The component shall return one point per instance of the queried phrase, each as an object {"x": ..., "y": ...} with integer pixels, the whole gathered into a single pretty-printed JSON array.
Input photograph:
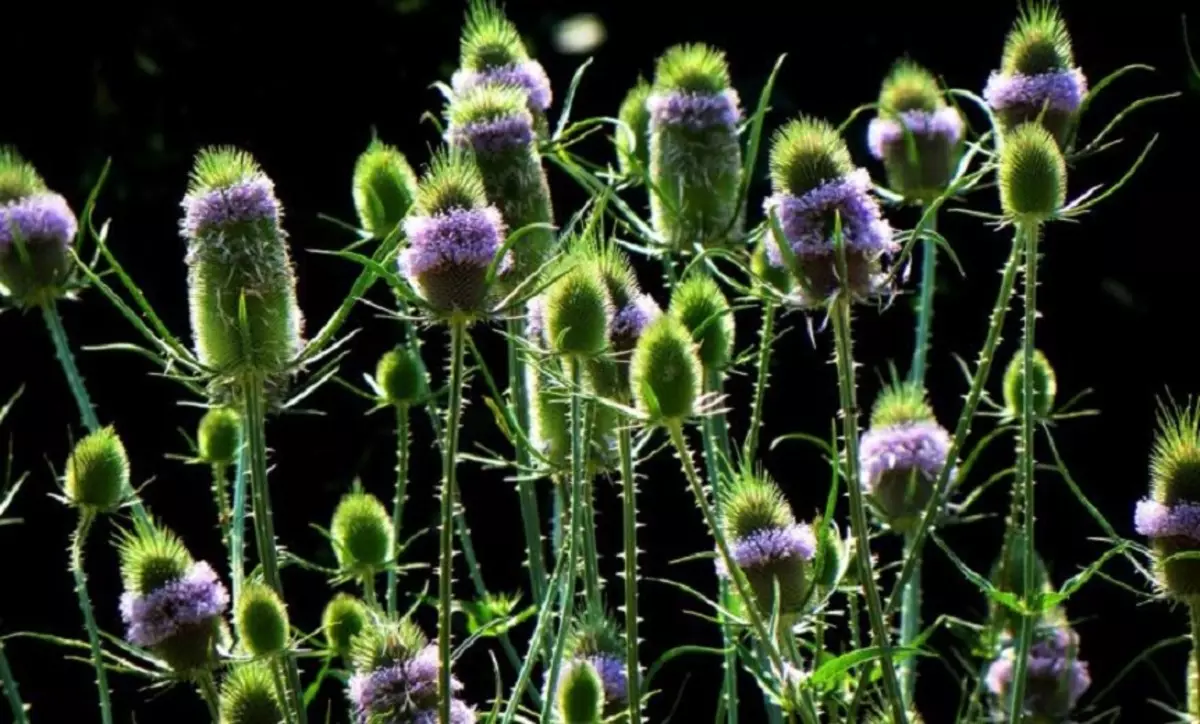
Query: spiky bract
[
  {"x": 363, "y": 538},
  {"x": 665, "y": 373},
  {"x": 1032, "y": 175},
  {"x": 632, "y": 140},
  {"x": 219, "y": 436},
  {"x": 753, "y": 502},
  {"x": 384, "y": 189},
  {"x": 1045, "y": 386},
  {"x": 344, "y": 618},
  {"x": 248, "y": 695},
  {"x": 700, "y": 304},
  {"x": 400, "y": 377},
  {"x": 1038, "y": 42},
  {"x": 261, "y": 620},
  {"x": 97, "y": 477}
]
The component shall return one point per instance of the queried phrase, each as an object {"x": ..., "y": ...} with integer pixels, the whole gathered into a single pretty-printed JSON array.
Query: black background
[{"x": 300, "y": 86}]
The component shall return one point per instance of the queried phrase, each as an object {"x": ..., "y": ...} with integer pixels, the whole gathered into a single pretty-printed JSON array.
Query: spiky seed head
[
  {"x": 1038, "y": 42},
  {"x": 700, "y": 304},
  {"x": 248, "y": 695},
  {"x": 1045, "y": 386},
  {"x": 400, "y": 377},
  {"x": 578, "y": 310},
  {"x": 692, "y": 68},
  {"x": 593, "y": 632},
  {"x": 344, "y": 618},
  {"x": 910, "y": 87},
  {"x": 1175, "y": 455},
  {"x": 754, "y": 502},
  {"x": 901, "y": 402},
  {"x": 384, "y": 643},
  {"x": 18, "y": 177},
  {"x": 826, "y": 570},
  {"x": 363, "y": 538},
  {"x": 218, "y": 438},
  {"x": 452, "y": 181},
  {"x": 806, "y": 153},
  {"x": 217, "y": 168},
  {"x": 1033, "y": 174},
  {"x": 97, "y": 477},
  {"x": 384, "y": 188},
  {"x": 613, "y": 265},
  {"x": 151, "y": 556},
  {"x": 489, "y": 38},
  {"x": 580, "y": 694},
  {"x": 1008, "y": 576},
  {"x": 261, "y": 620},
  {"x": 665, "y": 371},
  {"x": 487, "y": 103},
  {"x": 633, "y": 138}
]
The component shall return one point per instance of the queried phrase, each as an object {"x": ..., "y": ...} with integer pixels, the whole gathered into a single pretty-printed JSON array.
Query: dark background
[{"x": 301, "y": 87}]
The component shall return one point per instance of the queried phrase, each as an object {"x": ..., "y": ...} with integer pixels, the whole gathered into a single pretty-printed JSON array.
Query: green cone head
[
  {"x": 219, "y": 436},
  {"x": 632, "y": 140},
  {"x": 1045, "y": 386},
  {"x": 97, "y": 477},
  {"x": 384, "y": 189},
  {"x": 400, "y": 377},
  {"x": 578, "y": 311},
  {"x": 700, "y": 304},
  {"x": 248, "y": 695},
  {"x": 806, "y": 153},
  {"x": 1038, "y": 42},
  {"x": 344, "y": 618},
  {"x": 580, "y": 694},
  {"x": 37, "y": 231},
  {"x": 261, "y": 620},
  {"x": 383, "y": 643},
  {"x": 665, "y": 372},
  {"x": 363, "y": 539},
  {"x": 1033, "y": 175}
]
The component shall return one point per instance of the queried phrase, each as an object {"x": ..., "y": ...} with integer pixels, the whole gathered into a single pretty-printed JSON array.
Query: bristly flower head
[
  {"x": 700, "y": 304},
  {"x": 1056, "y": 678},
  {"x": 454, "y": 235},
  {"x": 632, "y": 310},
  {"x": 815, "y": 182},
  {"x": 1032, "y": 175},
  {"x": 248, "y": 695},
  {"x": 633, "y": 138},
  {"x": 577, "y": 309},
  {"x": 695, "y": 159},
  {"x": 218, "y": 437},
  {"x": 1045, "y": 386},
  {"x": 384, "y": 190},
  {"x": 1037, "y": 76},
  {"x": 597, "y": 640},
  {"x": 97, "y": 477},
  {"x": 665, "y": 372},
  {"x": 386, "y": 642},
  {"x": 490, "y": 120},
  {"x": 400, "y": 377},
  {"x": 261, "y": 620},
  {"x": 492, "y": 52},
  {"x": 917, "y": 136},
  {"x": 902, "y": 454},
  {"x": 1170, "y": 517},
  {"x": 18, "y": 177},
  {"x": 37, "y": 227},
  {"x": 344, "y": 618},
  {"x": 363, "y": 538}
]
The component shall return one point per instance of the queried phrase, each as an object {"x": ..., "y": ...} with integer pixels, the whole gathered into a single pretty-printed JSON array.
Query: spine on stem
[{"x": 458, "y": 335}]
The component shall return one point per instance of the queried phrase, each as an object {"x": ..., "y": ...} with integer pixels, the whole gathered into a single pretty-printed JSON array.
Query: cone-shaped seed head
[
  {"x": 18, "y": 177},
  {"x": 596, "y": 638},
  {"x": 633, "y": 139},
  {"x": 692, "y": 68},
  {"x": 578, "y": 311},
  {"x": 700, "y": 304},
  {"x": 665, "y": 372},
  {"x": 385, "y": 643},
  {"x": 806, "y": 153},
  {"x": 1045, "y": 386},
  {"x": 490, "y": 119},
  {"x": 1170, "y": 517},
  {"x": 98, "y": 472},
  {"x": 344, "y": 618},
  {"x": 218, "y": 438},
  {"x": 363, "y": 539},
  {"x": 899, "y": 403},
  {"x": 37, "y": 227},
  {"x": 580, "y": 694},
  {"x": 384, "y": 190},
  {"x": 1038, "y": 42},
  {"x": 261, "y": 620},
  {"x": 248, "y": 695},
  {"x": 1033, "y": 175},
  {"x": 492, "y": 53},
  {"x": 400, "y": 377}
]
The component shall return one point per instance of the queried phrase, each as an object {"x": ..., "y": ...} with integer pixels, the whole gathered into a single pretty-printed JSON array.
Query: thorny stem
[
  {"x": 910, "y": 628},
  {"x": 763, "y": 366},
  {"x": 629, "y": 531},
  {"x": 398, "y": 500},
  {"x": 370, "y": 597},
  {"x": 208, "y": 692},
  {"x": 220, "y": 490},
  {"x": 1193, "y": 684},
  {"x": 89, "y": 619},
  {"x": 530, "y": 520},
  {"x": 458, "y": 336},
  {"x": 277, "y": 676},
  {"x": 583, "y": 526},
  {"x": 237, "y": 527},
  {"x": 9, "y": 684}
]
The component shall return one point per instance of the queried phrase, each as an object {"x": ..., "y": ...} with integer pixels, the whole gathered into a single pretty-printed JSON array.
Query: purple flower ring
[
  {"x": 527, "y": 74},
  {"x": 449, "y": 254}
]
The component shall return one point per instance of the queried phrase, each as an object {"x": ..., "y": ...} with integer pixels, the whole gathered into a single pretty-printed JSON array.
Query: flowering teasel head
[
  {"x": 248, "y": 695},
  {"x": 700, "y": 304},
  {"x": 37, "y": 229},
  {"x": 1038, "y": 79},
  {"x": 580, "y": 696},
  {"x": 665, "y": 373},
  {"x": 384, "y": 189},
  {"x": 400, "y": 377},
  {"x": 219, "y": 436},
  {"x": 238, "y": 255},
  {"x": 816, "y": 186},
  {"x": 1055, "y": 677},
  {"x": 577, "y": 310},
  {"x": 917, "y": 135},
  {"x": 344, "y": 618},
  {"x": 493, "y": 53},
  {"x": 902, "y": 454},
  {"x": 767, "y": 543},
  {"x": 1045, "y": 386},
  {"x": 172, "y": 604},
  {"x": 454, "y": 235},
  {"x": 97, "y": 473},
  {"x": 597, "y": 640},
  {"x": 695, "y": 159},
  {"x": 362, "y": 535},
  {"x": 1170, "y": 516},
  {"x": 261, "y": 620},
  {"x": 1032, "y": 175},
  {"x": 632, "y": 139}
]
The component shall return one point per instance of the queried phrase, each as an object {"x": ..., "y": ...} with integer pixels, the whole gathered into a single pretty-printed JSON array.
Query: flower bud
[
  {"x": 453, "y": 237},
  {"x": 1170, "y": 517},
  {"x": 633, "y": 138},
  {"x": 1008, "y": 576},
  {"x": 492, "y": 53},
  {"x": 901, "y": 455},
  {"x": 384, "y": 190},
  {"x": 400, "y": 377},
  {"x": 219, "y": 437},
  {"x": 1055, "y": 677},
  {"x": 699, "y": 303},
  {"x": 580, "y": 694},
  {"x": 1037, "y": 77},
  {"x": 37, "y": 229},
  {"x": 344, "y": 618},
  {"x": 238, "y": 252},
  {"x": 695, "y": 158},
  {"x": 261, "y": 620},
  {"x": 1033, "y": 175},
  {"x": 98, "y": 472},
  {"x": 578, "y": 312},
  {"x": 363, "y": 539},
  {"x": 815, "y": 183},
  {"x": 917, "y": 136},
  {"x": 248, "y": 696},
  {"x": 597, "y": 640},
  {"x": 1045, "y": 385},
  {"x": 665, "y": 372}
]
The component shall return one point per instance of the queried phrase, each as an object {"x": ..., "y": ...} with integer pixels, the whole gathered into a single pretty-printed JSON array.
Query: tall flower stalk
[
  {"x": 458, "y": 333},
  {"x": 9, "y": 683},
  {"x": 629, "y": 541}
]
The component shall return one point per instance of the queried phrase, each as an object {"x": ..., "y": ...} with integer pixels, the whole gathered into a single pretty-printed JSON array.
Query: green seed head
[
  {"x": 18, "y": 177},
  {"x": 1045, "y": 385},
  {"x": 384, "y": 643},
  {"x": 580, "y": 694},
  {"x": 400, "y": 377},
  {"x": 151, "y": 557},
  {"x": 1033, "y": 175},
  {"x": 451, "y": 182},
  {"x": 248, "y": 695},
  {"x": 806, "y": 153},
  {"x": 593, "y": 631},
  {"x": 613, "y": 265},
  {"x": 901, "y": 402},
  {"x": 261, "y": 620},
  {"x": 633, "y": 139},
  {"x": 489, "y": 39},
  {"x": 1175, "y": 456},
  {"x": 219, "y": 436},
  {"x": 344, "y": 618},
  {"x": 665, "y": 371},
  {"x": 384, "y": 189},
  {"x": 486, "y": 104},
  {"x": 98, "y": 472},
  {"x": 754, "y": 502},
  {"x": 699, "y": 303},
  {"x": 910, "y": 87},
  {"x": 1038, "y": 42},
  {"x": 578, "y": 309},
  {"x": 692, "y": 68},
  {"x": 363, "y": 539}
]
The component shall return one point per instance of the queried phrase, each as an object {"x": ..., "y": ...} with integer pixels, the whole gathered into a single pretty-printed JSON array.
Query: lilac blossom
[
  {"x": 527, "y": 74},
  {"x": 630, "y": 320},
  {"x": 1057, "y": 90},
  {"x": 493, "y": 136},
  {"x": 807, "y": 221},
  {"x": 196, "y": 598},
  {"x": 405, "y": 687},
  {"x": 249, "y": 201},
  {"x": 1055, "y": 677},
  {"x": 768, "y": 545},
  {"x": 612, "y": 676},
  {"x": 455, "y": 238},
  {"x": 460, "y": 713},
  {"x": 945, "y": 123},
  {"x": 1156, "y": 520},
  {"x": 697, "y": 111},
  {"x": 919, "y": 446},
  {"x": 40, "y": 218}
]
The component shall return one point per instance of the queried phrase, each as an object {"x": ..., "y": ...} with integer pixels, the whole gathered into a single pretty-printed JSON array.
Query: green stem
[
  {"x": 629, "y": 536},
  {"x": 458, "y": 335},
  {"x": 281, "y": 690},
  {"x": 925, "y": 305},
  {"x": 208, "y": 692},
  {"x": 762, "y": 367},
  {"x": 237, "y": 527},
  {"x": 1193, "y": 669},
  {"x": 527, "y": 495},
  {"x": 1027, "y": 466},
  {"x": 398, "y": 500},
  {"x": 582, "y": 525},
  {"x": 910, "y": 628},
  {"x": 880, "y": 633},
  {"x": 566, "y": 598},
  {"x": 370, "y": 597},
  {"x": 556, "y": 519},
  {"x": 8, "y": 683},
  {"x": 715, "y": 468},
  {"x": 220, "y": 490},
  {"x": 89, "y": 619}
]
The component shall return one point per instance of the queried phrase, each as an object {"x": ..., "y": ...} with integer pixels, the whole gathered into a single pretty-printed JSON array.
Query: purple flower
[
  {"x": 535, "y": 319},
  {"x": 944, "y": 123},
  {"x": 40, "y": 218},
  {"x": 1155, "y": 520},
  {"x": 697, "y": 111},
  {"x": 248, "y": 201},
  {"x": 157, "y": 616},
  {"x": 921, "y": 446},
  {"x": 527, "y": 74},
  {"x": 1058, "y": 90},
  {"x": 769, "y": 545},
  {"x": 630, "y": 320},
  {"x": 1055, "y": 677},
  {"x": 460, "y": 713},
  {"x": 807, "y": 221},
  {"x": 455, "y": 238},
  {"x": 406, "y": 687},
  {"x": 494, "y": 136},
  {"x": 612, "y": 675}
]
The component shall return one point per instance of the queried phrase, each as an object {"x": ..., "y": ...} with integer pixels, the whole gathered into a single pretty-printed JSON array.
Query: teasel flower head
[
  {"x": 766, "y": 542},
  {"x": 384, "y": 190},
  {"x": 1008, "y": 576},
  {"x": 665, "y": 373},
  {"x": 917, "y": 135},
  {"x": 261, "y": 620},
  {"x": 97, "y": 473},
  {"x": 1170, "y": 516},
  {"x": 695, "y": 159},
  {"x": 344, "y": 618},
  {"x": 632, "y": 139},
  {"x": 172, "y": 604},
  {"x": 700, "y": 304},
  {"x": 815, "y": 184},
  {"x": 1032, "y": 175},
  {"x": 1038, "y": 79},
  {"x": 580, "y": 696},
  {"x": 400, "y": 377},
  {"x": 37, "y": 229},
  {"x": 597, "y": 640},
  {"x": 454, "y": 235},
  {"x": 362, "y": 534},
  {"x": 901, "y": 455},
  {"x": 493, "y": 123},
  {"x": 493, "y": 53},
  {"x": 1055, "y": 677},
  {"x": 577, "y": 311},
  {"x": 248, "y": 695},
  {"x": 219, "y": 435},
  {"x": 238, "y": 254},
  {"x": 1045, "y": 386}
]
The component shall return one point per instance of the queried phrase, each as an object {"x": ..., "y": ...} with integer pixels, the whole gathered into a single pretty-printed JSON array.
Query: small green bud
[
  {"x": 219, "y": 437},
  {"x": 261, "y": 620},
  {"x": 98, "y": 472},
  {"x": 580, "y": 694},
  {"x": 633, "y": 139},
  {"x": 344, "y": 618},
  {"x": 665, "y": 371},
  {"x": 384, "y": 189},
  {"x": 400, "y": 376},
  {"x": 1045, "y": 385},
  {"x": 578, "y": 311},
  {"x": 699, "y": 303},
  {"x": 363, "y": 539},
  {"x": 248, "y": 696},
  {"x": 1033, "y": 175}
]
